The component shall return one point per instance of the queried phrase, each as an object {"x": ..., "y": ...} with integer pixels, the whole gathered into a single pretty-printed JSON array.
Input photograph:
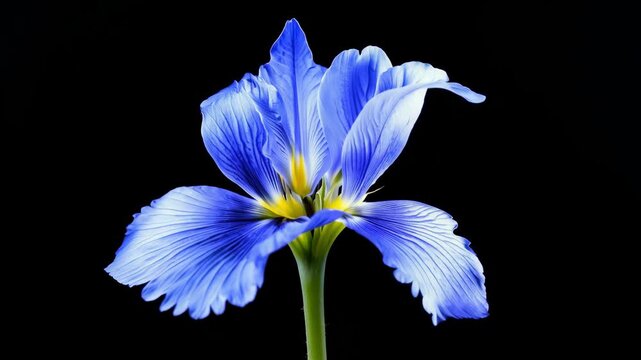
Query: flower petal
[
  {"x": 234, "y": 136},
  {"x": 415, "y": 72},
  {"x": 418, "y": 241},
  {"x": 381, "y": 130},
  {"x": 346, "y": 87},
  {"x": 292, "y": 71},
  {"x": 203, "y": 246}
]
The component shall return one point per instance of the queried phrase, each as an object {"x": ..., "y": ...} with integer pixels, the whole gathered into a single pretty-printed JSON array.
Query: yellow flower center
[
  {"x": 290, "y": 207},
  {"x": 296, "y": 200}
]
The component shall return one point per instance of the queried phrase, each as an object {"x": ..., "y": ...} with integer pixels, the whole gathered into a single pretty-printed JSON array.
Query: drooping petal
[
  {"x": 202, "y": 247},
  {"x": 292, "y": 71},
  {"x": 349, "y": 83},
  {"x": 418, "y": 241},
  {"x": 234, "y": 136},
  {"x": 382, "y": 128},
  {"x": 415, "y": 72}
]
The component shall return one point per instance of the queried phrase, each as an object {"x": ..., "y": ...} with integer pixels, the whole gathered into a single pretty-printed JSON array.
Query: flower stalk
[
  {"x": 312, "y": 278},
  {"x": 310, "y": 251}
]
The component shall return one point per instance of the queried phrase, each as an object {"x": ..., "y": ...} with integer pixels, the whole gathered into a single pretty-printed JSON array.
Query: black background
[{"x": 101, "y": 106}]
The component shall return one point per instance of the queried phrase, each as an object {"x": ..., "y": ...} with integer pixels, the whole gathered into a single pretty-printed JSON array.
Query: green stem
[
  {"x": 312, "y": 277},
  {"x": 311, "y": 250}
]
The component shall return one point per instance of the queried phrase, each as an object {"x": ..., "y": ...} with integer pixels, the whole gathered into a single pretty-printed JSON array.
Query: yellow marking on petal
[
  {"x": 298, "y": 175},
  {"x": 337, "y": 203},
  {"x": 287, "y": 207}
]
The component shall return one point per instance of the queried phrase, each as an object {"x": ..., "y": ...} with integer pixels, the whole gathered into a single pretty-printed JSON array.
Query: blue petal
[
  {"x": 292, "y": 71},
  {"x": 382, "y": 128},
  {"x": 415, "y": 72},
  {"x": 349, "y": 83},
  {"x": 278, "y": 142},
  {"x": 418, "y": 240},
  {"x": 202, "y": 247},
  {"x": 234, "y": 136}
]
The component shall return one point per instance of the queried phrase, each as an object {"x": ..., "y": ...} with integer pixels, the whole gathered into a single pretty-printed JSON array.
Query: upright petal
[
  {"x": 382, "y": 128},
  {"x": 234, "y": 136},
  {"x": 349, "y": 83},
  {"x": 292, "y": 71},
  {"x": 418, "y": 240},
  {"x": 202, "y": 247}
]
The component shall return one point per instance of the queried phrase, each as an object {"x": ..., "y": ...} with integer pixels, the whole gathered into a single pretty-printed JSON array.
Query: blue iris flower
[{"x": 306, "y": 143}]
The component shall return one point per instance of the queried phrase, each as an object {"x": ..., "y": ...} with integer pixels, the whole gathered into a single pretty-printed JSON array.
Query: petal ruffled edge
[
  {"x": 202, "y": 247},
  {"x": 418, "y": 240}
]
